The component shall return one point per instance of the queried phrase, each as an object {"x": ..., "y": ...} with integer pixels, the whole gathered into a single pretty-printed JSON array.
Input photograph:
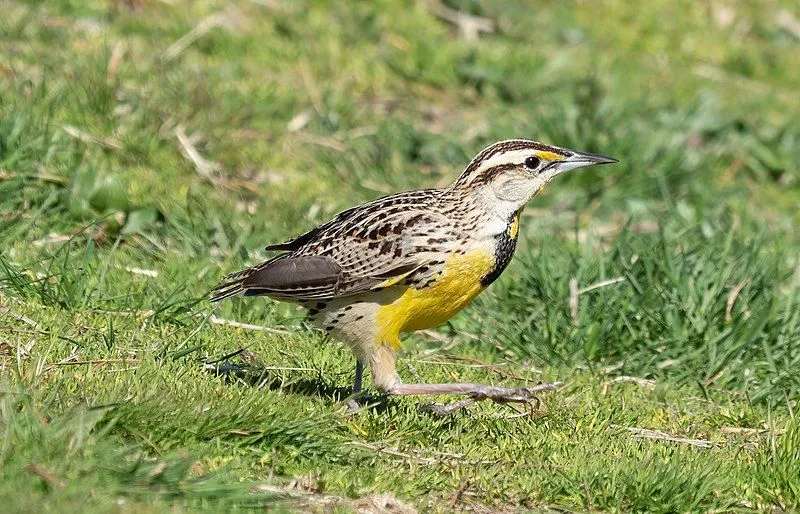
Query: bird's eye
[{"x": 532, "y": 162}]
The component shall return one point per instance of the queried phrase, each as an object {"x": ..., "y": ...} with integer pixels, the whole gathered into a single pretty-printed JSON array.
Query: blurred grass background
[{"x": 147, "y": 147}]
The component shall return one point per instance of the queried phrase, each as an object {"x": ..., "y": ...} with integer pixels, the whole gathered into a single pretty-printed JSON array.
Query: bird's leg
[
  {"x": 475, "y": 391},
  {"x": 352, "y": 402},
  {"x": 385, "y": 378},
  {"x": 359, "y": 375}
]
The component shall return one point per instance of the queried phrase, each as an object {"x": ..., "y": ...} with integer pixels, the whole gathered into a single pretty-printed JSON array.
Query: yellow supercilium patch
[{"x": 548, "y": 156}]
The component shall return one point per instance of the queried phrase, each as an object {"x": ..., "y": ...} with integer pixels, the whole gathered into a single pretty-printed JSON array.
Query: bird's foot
[
  {"x": 352, "y": 406},
  {"x": 362, "y": 400},
  {"x": 526, "y": 396},
  {"x": 511, "y": 394}
]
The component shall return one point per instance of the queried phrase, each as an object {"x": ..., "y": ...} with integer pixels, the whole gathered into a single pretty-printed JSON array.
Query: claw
[
  {"x": 524, "y": 395},
  {"x": 352, "y": 406}
]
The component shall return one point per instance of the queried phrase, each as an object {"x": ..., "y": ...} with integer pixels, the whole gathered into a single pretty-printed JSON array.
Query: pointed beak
[
  {"x": 580, "y": 160},
  {"x": 590, "y": 159}
]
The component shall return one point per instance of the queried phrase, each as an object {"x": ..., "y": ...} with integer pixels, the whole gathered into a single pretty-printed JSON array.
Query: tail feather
[
  {"x": 222, "y": 292},
  {"x": 236, "y": 283},
  {"x": 231, "y": 285}
]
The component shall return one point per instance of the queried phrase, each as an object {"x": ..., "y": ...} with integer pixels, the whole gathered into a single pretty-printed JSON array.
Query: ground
[{"x": 148, "y": 147}]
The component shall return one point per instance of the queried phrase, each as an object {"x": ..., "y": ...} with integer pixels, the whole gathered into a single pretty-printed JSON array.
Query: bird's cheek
[
  {"x": 511, "y": 190},
  {"x": 520, "y": 191}
]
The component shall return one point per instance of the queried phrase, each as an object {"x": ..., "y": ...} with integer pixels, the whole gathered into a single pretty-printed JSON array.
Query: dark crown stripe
[{"x": 503, "y": 146}]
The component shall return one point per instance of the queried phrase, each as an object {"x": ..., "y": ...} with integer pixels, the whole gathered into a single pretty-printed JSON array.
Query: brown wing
[
  {"x": 362, "y": 249},
  {"x": 303, "y": 277},
  {"x": 302, "y": 239}
]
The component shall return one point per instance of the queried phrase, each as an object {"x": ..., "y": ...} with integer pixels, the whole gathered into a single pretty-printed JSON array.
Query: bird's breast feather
[{"x": 417, "y": 309}]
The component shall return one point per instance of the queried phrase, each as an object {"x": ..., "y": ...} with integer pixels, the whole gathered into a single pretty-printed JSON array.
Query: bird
[{"x": 411, "y": 261}]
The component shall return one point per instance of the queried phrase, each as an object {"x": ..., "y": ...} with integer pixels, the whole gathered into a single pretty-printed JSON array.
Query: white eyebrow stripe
[{"x": 508, "y": 157}]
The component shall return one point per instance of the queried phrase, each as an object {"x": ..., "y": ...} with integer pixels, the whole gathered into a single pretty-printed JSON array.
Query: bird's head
[{"x": 509, "y": 173}]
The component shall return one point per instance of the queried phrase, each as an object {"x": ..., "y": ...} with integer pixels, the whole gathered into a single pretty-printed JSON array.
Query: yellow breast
[{"x": 417, "y": 309}]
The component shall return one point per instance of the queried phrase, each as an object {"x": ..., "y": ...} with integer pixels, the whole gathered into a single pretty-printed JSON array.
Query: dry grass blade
[
  {"x": 732, "y": 296},
  {"x": 141, "y": 271},
  {"x": 469, "y": 26},
  {"x": 204, "y": 167},
  {"x": 44, "y": 177},
  {"x": 114, "y": 61},
  {"x": 574, "y": 294},
  {"x": 81, "y": 135},
  {"x": 394, "y": 452},
  {"x": 246, "y": 326},
  {"x": 46, "y": 475},
  {"x": 602, "y": 283},
  {"x": 414, "y": 456},
  {"x": 205, "y": 26},
  {"x": 663, "y": 436},
  {"x": 643, "y": 382},
  {"x": 314, "y": 501},
  {"x": 19, "y": 317}
]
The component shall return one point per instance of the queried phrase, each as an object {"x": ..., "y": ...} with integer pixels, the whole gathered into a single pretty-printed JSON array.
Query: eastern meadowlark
[{"x": 411, "y": 260}]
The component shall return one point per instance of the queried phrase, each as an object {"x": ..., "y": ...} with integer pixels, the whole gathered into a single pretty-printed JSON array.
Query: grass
[{"x": 110, "y": 239}]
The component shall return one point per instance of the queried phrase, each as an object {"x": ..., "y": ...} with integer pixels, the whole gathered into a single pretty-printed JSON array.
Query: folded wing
[{"x": 362, "y": 249}]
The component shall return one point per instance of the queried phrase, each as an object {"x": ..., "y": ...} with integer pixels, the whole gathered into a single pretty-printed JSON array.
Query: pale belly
[{"x": 418, "y": 309}]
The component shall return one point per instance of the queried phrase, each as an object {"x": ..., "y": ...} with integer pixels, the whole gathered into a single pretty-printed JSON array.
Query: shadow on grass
[
  {"x": 266, "y": 377},
  {"x": 249, "y": 370},
  {"x": 254, "y": 373}
]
